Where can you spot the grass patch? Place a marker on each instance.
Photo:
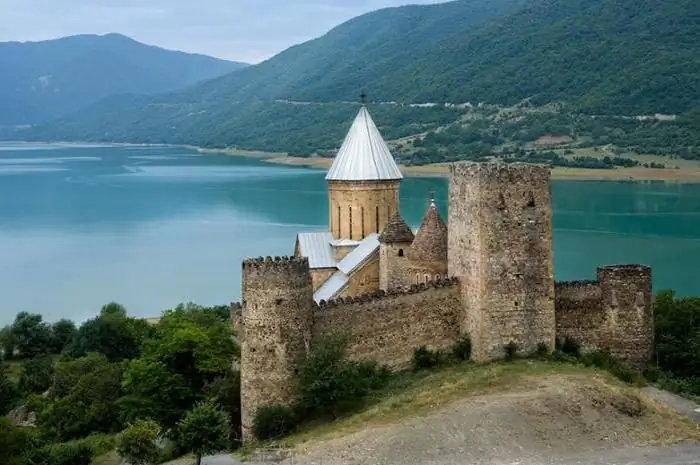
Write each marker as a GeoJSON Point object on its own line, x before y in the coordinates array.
{"type": "Point", "coordinates": [410, 394]}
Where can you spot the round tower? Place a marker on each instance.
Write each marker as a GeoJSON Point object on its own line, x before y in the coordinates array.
{"type": "Point", "coordinates": [277, 318]}
{"type": "Point", "coordinates": [363, 182]}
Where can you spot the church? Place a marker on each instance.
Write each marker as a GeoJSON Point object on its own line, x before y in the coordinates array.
{"type": "Point", "coordinates": [369, 246]}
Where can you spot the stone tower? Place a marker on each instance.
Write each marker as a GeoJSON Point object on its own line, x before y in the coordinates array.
{"type": "Point", "coordinates": [429, 249]}
{"type": "Point", "coordinates": [277, 318]}
{"type": "Point", "coordinates": [363, 182]}
{"type": "Point", "coordinates": [500, 247]}
{"type": "Point", "coordinates": [628, 329]}
{"type": "Point", "coordinates": [394, 243]}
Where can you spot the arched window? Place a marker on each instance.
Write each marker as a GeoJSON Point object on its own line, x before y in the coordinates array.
{"type": "Point", "coordinates": [417, 278]}
{"type": "Point", "coordinates": [437, 277]}
{"type": "Point", "coordinates": [427, 279]}
{"type": "Point", "coordinates": [376, 218]}
{"type": "Point", "coordinates": [350, 209]}
{"type": "Point", "coordinates": [340, 225]}
{"type": "Point", "coordinates": [400, 252]}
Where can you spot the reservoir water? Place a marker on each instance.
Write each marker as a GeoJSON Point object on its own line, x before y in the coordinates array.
{"type": "Point", "coordinates": [152, 227]}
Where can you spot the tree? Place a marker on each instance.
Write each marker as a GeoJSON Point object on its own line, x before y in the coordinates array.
{"type": "Point", "coordinates": [32, 335]}
{"type": "Point", "coordinates": [152, 390]}
{"type": "Point", "coordinates": [62, 333]}
{"type": "Point", "coordinates": [111, 333]}
{"type": "Point", "coordinates": [84, 400]}
{"type": "Point", "coordinates": [226, 392]}
{"type": "Point", "coordinates": [137, 444]}
{"type": "Point", "coordinates": [37, 375]}
{"type": "Point", "coordinates": [8, 391]}
{"type": "Point", "coordinates": [204, 430]}
{"type": "Point", "coordinates": [15, 442]}
{"type": "Point", "coordinates": [7, 342]}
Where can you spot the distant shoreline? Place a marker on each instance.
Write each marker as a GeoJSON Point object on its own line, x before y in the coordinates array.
{"type": "Point", "coordinates": [437, 170]}
{"type": "Point", "coordinates": [441, 170]}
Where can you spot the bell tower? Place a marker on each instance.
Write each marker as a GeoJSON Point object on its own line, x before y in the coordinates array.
{"type": "Point", "coordinates": [363, 182]}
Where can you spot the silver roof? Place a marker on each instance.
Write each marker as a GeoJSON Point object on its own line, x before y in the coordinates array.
{"type": "Point", "coordinates": [348, 265]}
{"type": "Point", "coordinates": [364, 156]}
{"type": "Point", "coordinates": [317, 247]}
{"type": "Point", "coordinates": [360, 254]}
{"type": "Point", "coordinates": [331, 287]}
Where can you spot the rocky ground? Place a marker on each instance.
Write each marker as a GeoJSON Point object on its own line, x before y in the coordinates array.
{"type": "Point", "coordinates": [563, 420]}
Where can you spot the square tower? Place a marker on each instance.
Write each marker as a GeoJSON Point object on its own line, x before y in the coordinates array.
{"type": "Point", "coordinates": [500, 247]}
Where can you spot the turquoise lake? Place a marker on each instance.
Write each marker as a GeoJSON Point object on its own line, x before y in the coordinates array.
{"type": "Point", "coordinates": [148, 227]}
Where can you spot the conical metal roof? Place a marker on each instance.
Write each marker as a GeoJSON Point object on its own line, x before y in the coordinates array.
{"type": "Point", "coordinates": [364, 156]}
{"type": "Point", "coordinates": [430, 244]}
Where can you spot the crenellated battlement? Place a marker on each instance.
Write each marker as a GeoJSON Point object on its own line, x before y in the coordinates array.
{"type": "Point", "coordinates": [381, 294]}
{"type": "Point", "coordinates": [276, 262]}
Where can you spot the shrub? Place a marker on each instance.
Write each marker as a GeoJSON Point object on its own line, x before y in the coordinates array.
{"type": "Point", "coordinates": [542, 349]}
{"type": "Point", "coordinates": [68, 453]}
{"type": "Point", "coordinates": [605, 361]}
{"type": "Point", "coordinates": [462, 349]}
{"type": "Point", "coordinates": [571, 347]}
{"type": "Point", "coordinates": [138, 442]}
{"type": "Point", "coordinates": [273, 421]}
{"type": "Point", "coordinates": [329, 385]}
{"type": "Point", "coordinates": [424, 358]}
{"type": "Point", "coordinates": [511, 350]}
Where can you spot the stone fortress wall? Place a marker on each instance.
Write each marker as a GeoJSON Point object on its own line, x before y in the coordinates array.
{"type": "Point", "coordinates": [611, 313]}
{"type": "Point", "coordinates": [501, 290]}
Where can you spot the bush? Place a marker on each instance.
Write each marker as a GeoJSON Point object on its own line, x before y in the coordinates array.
{"type": "Point", "coordinates": [68, 453]}
{"type": "Point", "coordinates": [605, 361]}
{"type": "Point", "coordinates": [424, 359]}
{"type": "Point", "coordinates": [329, 385]}
{"type": "Point", "coordinates": [511, 350]}
{"type": "Point", "coordinates": [542, 349]}
{"type": "Point", "coordinates": [462, 349]}
{"type": "Point", "coordinates": [137, 444]}
{"type": "Point", "coordinates": [273, 421]}
{"type": "Point", "coordinates": [570, 346]}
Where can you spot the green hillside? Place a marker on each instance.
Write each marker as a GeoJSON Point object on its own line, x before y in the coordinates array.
{"type": "Point", "coordinates": [42, 80]}
{"type": "Point", "coordinates": [616, 57]}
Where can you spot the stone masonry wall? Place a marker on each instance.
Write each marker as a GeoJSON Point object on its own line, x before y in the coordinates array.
{"type": "Point", "coordinates": [579, 313]}
{"type": "Point", "coordinates": [614, 313]}
{"type": "Point", "coordinates": [626, 296]}
{"type": "Point", "coordinates": [357, 209]}
{"type": "Point", "coordinates": [389, 328]}
{"type": "Point", "coordinates": [500, 247]}
{"type": "Point", "coordinates": [277, 318]}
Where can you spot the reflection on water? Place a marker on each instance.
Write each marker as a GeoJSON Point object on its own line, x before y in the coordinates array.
{"type": "Point", "coordinates": [152, 227]}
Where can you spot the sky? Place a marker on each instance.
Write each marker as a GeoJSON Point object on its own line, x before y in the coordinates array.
{"type": "Point", "coordinates": [242, 30]}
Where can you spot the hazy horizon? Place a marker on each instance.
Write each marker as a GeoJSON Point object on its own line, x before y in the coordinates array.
{"type": "Point", "coordinates": [246, 30]}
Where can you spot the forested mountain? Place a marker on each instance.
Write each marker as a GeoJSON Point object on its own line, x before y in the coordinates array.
{"type": "Point", "coordinates": [617, 57]}
{"type": "Point", "coordinates": [42, 80]}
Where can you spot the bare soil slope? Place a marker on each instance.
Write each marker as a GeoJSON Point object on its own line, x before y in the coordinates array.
{"type": "Point", "coordinates": [533, 421]}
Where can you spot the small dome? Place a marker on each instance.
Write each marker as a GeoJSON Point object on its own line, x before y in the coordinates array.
{"type": "Point", "coordinates": [430, 244]}
{"type": "Point", "coordinates": [396, 231]}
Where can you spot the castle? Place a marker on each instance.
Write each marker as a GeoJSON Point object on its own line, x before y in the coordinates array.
{"type": "Point", "coordinates": [487, 273]}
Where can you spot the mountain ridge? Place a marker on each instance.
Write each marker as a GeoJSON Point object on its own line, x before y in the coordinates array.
{"type": "Point", "coordinates": [602, 56]}
{"type": "Point", "coordinates": [49, 79]}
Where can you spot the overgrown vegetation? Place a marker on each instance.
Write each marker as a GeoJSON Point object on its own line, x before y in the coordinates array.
{"type": "Point", "coordinates": [117, 374]}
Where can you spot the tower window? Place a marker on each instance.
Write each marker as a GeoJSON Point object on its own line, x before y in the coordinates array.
{"type": "Point", "coordinates": [362, 220]}
{"type": "Point", "coordinates": [417, 278]}
{"type": "Point", "coordinates": [350, 209]}
{"type": "Point", "coordinates": [400, 252]}
{"type": "Point", "coordinates": [377, 220]}
{"type": "Point", "coordinates": [340, 225]}
{"type": "Point", "coordinates": [427, 279]}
